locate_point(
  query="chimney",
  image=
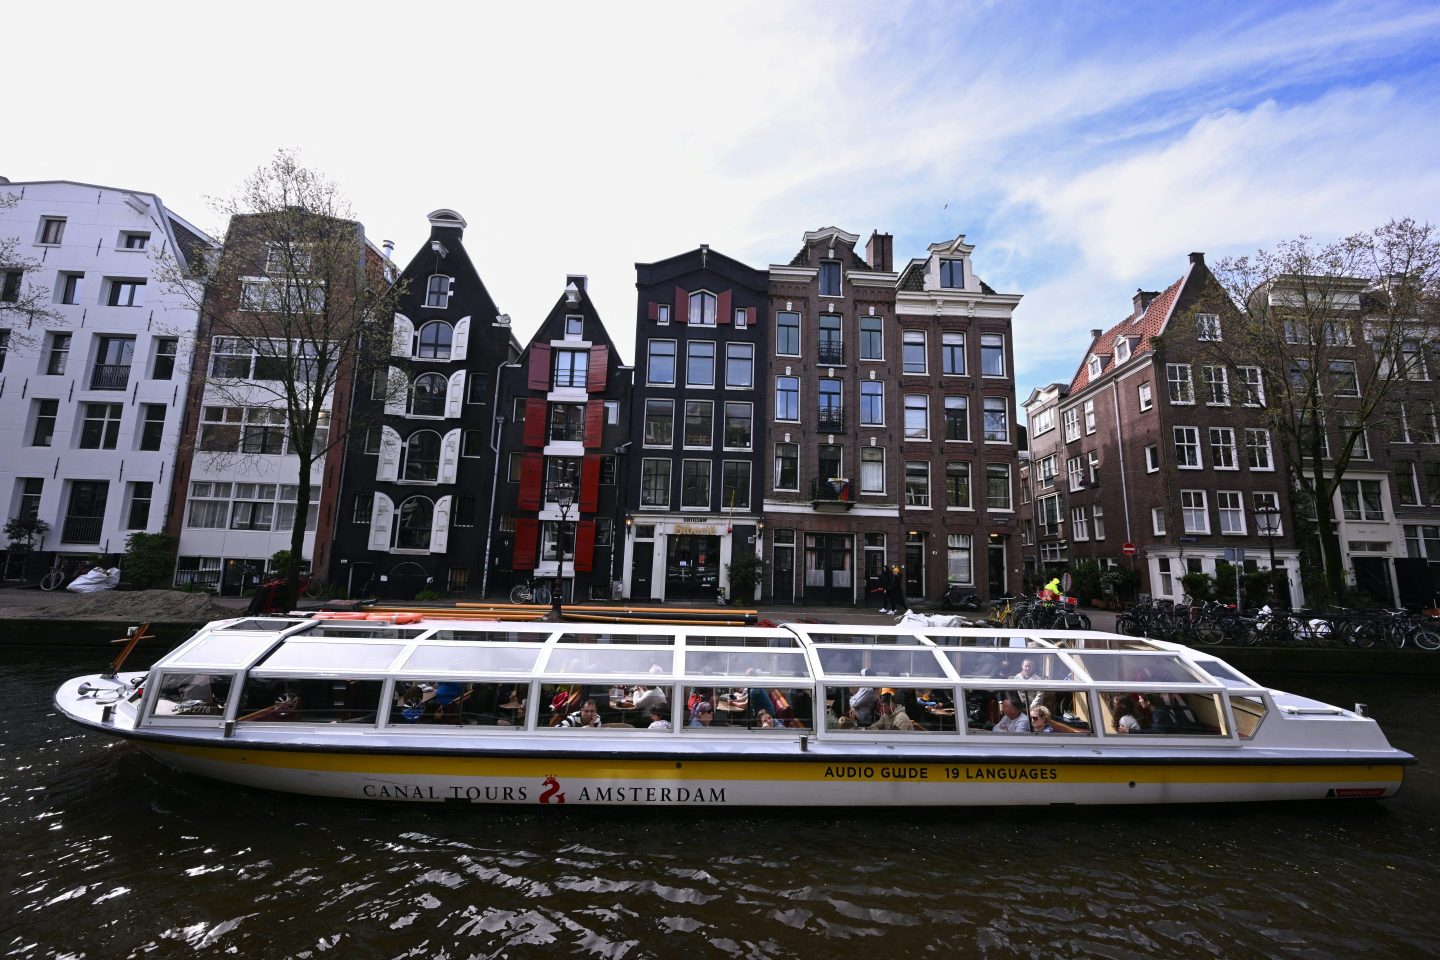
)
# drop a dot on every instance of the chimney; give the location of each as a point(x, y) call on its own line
point(389, 247)
point(1095, 334)
point(878, 251)
point(1142, 301)
point(1198, 259)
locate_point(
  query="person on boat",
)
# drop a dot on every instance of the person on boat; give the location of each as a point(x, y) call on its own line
point(1124, 710)
point(884, 710)
point(1027, 672)
point(658, 720)
point(1040, 720)
point(900, 720)
point(1013, 718)
point(587, 716)
point(644, 698)
point(702, 714)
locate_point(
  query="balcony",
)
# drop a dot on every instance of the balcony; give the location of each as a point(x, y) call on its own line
point(831, 354)
point(832, 492)
point(110, 376)
point(81, 530)
point(832, 419)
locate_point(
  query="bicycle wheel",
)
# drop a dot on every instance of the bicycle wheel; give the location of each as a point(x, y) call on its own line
point(52, 579)
point(520, 593)
point(541, 594)
point(1207, 632)
point(315, 588)
point(1425, 638)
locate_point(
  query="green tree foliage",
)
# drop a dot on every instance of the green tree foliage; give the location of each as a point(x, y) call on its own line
point(149, 561)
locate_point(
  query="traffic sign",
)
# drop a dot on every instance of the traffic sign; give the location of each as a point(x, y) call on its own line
point(1128, 549)
point(1065, 583)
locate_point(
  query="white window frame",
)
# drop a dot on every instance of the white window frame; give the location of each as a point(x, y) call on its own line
point(1207, 327)
point(1222, 449)
point(740, 348)
point(438, 299)
point(1000, 337)
point(1231, 507)
point(1146, 395)
point(1253, 380)
point(1264, 434)
point(1079, 528)
point(911, 338)
point(1180, 388)
point(1217, 383)
point(690, 345)
point(1194, 506)
point(1191, 442)
point(1157, 521)
point(1075, 473)
point(1071, 419)
point(1089, 409)
point(1152, 458)
point(923, 407)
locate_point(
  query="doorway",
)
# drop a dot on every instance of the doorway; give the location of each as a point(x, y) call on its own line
point(692, 567)
point(995, 569)
point(915, 566)
point(642, 563)
point(1372, 576)
point(829, 568)
point(782, 584)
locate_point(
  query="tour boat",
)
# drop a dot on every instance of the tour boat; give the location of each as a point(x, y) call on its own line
point(811, 715)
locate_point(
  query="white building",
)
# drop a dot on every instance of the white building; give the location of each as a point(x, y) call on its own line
point(91, 399)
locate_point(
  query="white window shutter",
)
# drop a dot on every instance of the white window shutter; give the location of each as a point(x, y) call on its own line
point(396, 399)
point(403, 344)
point(389, 468)
point(455, 394)
point(381, 515)
point(449, 456)
point(460, 339)
point(440, 526)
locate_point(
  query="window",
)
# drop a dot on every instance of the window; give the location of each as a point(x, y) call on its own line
point(1343, 381)
point(735, 485)
point(739, 365)
point(101, 429)
point(700, 363)
point(434, 341)
point(1042, 422)
point(1045, 470)
point(604, 532)
point(1351, 424)
point(477, 387)
point(699, 423)
point(829, 278)
point(662, 313)
point(958, 556)
point(997, 420)
point(1217, 386)
point(464, 514)
point(1071, 420)
point(1089, 417)
point(787, 334)
point(1095, 366)
point(57, 354)
point(912, 351)
point(567, 422)
point(421, 458)
point(992, 354)
point(70, 287)
point(427, 396)
point(1422, 542)
point(872, 403)
point(702, 309)
point(1152, 458)
point(281, 258)
point(1157, 522)
point(133, 240)
point(1079, 527)
point(660, 368)
point(1177, 380)
point(1311, 434)
point(1048, 511)
point(872, 338)
point(437, 291)
point(29, 490)
point(220, 429)
point(10, 287)
point(162, 367)
point(655, 483)
point(574, 326)
point(413, 523)
point(1252, 386)
point(738, 429)
point(957, 419)
point(1075, 471)
point(152, 427)
point(137, 509)
point(372, 440)
point(607, 470)
point(659, 430)
point(695, 484)
point(1187, 448)
point(957, 485)
point(997, 486)
point(787, 398)
point(126, 293)
point(1207, 327)
point(1412, 361)
point(831, 347)
point(952, 276)
point(1122, 350)
point(1231, 505)
point(512, 467)
point(1222, 448)
point(572, 368)
point(832, 413)
point(264, 431)
point(917, 417)
point(917, 483)
point(872, 470)
point(1092, 467)
point(1099, 521)
point(1257, 449)
point(742, 318)
point(1195, 518)
point(1407, 492)
point(1360, 500)
point(787, 466)
point(472, 443)
point(52, 230)
point(45, 412)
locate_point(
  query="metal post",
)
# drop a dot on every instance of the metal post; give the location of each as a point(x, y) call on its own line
point(564, 496)
point(1266, 519)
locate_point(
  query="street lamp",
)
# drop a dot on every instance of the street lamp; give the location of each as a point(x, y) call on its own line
point(1267, 524)
point(564, 494)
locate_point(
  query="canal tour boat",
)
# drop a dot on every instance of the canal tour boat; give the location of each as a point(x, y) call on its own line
point(811, 715)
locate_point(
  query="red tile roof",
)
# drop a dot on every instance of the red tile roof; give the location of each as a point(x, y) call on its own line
point(1149, 324)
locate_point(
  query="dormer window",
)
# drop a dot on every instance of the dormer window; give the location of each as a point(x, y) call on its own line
point(702, 309)
point(437, 291)
point(574, 326)
point(952, 274)
point(280, 256)
point(1096, 365)
point(1122, 349)
point(829, 278)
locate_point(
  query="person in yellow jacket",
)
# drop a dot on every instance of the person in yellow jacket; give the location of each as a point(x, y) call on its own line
point(1052, 590)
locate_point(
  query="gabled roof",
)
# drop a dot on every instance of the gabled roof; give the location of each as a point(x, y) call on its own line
point(1149, 324)
point(912, 278)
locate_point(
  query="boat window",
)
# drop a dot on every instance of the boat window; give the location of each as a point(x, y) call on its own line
point(591, 659)
point(430, 701)
point(889, 709)
point(222, 650)
point(584, 706)
point(470, 658)
point(1000, 709)
point(191, 695)
point(758, 708)
point(889, 640)
point(741, 640)
point(1249, 714)
point(310, 699)
point(887, 662)
point(1005, 663)
point(1140, 668)
point(1071, 642)
point(656, 639)
point(735, 663)
point(1224, 673)
point(362, 631)
point(262, 626)
point(490, 636)
point(1190, 714)
point(329, 658)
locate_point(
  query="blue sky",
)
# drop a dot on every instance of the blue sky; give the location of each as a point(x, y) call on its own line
point(1084, 148)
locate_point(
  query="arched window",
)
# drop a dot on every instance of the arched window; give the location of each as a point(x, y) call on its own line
point(702, 308)
point(422, 457)
point(437, 291)
point(434, 341)
point(427, 396)
point(413, 523)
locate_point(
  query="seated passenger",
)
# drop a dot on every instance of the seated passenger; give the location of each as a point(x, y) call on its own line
point(901, 720)
point(847, 722)
point(1013, 718)
point(1040, 720)
point(643, 698)
point(1164, 716)
point(763, 719)
point(702, 714)
point(862, 704)
point(1125, 720)
point(885, 711)
point(659, 717)
point(586, 716)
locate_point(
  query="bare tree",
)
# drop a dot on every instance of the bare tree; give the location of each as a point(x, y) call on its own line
point(296, 307)
point(24, 304)
point(1342, 334)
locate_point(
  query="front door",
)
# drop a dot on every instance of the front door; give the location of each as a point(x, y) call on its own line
point(829, 568)
point(692, 567)
point(1372, 575)
point(642, 560)
point(915, 568)
point(995, 568)
point(782, 586)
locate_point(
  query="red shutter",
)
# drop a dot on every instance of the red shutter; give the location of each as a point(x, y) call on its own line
point(682, 306)
point(585, 546)
point(654, 310)
point(599, 368)
point(536, 414)
point(594, 423)
point(540, 367)
point(532, 465)
point(589, 484)
point(750, 316)
point(722, 308)
point(527, 535)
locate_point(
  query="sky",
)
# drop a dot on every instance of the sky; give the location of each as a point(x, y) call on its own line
point(1084, 148)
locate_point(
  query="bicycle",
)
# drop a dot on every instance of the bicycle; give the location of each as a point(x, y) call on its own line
point(531, 591)
point(315, 588)
point(59, 575)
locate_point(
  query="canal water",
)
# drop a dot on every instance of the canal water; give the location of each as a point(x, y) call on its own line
point(109, 855)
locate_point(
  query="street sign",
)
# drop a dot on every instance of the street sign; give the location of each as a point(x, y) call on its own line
point(1234, 554)
point(1065, 582)
point(1128, 549)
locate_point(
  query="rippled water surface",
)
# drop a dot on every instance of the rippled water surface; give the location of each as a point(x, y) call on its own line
point(111, 855)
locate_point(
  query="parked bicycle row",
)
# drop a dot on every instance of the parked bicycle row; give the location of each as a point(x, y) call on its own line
point(1211, 622)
